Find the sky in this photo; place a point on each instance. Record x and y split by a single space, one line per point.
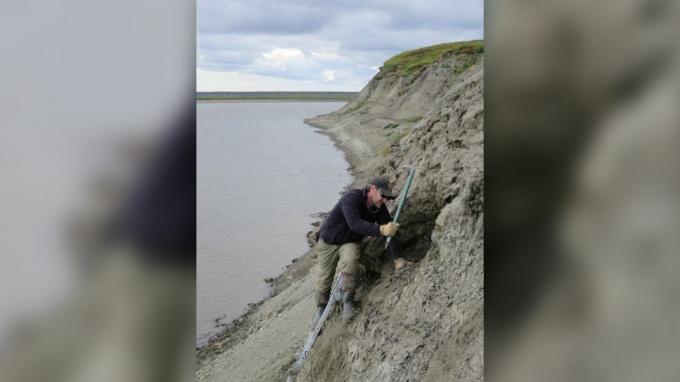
314 45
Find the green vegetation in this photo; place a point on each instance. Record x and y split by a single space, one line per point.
396 137
391 126
413 61
413 119
285 96
463 62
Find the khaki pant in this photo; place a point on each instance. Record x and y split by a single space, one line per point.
328 256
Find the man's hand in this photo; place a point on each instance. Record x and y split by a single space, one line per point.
401 263
389 229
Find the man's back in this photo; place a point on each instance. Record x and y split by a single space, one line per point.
351 219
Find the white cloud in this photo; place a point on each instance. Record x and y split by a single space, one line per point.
326 55
321 66
282 58
329 75
326 43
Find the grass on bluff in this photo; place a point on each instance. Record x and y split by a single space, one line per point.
412 61
413 119
394 139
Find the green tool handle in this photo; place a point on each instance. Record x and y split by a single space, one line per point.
402 200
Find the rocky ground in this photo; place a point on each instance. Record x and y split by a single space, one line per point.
424 323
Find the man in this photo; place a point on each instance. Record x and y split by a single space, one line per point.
358 213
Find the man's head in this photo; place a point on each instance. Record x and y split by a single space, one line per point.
379 191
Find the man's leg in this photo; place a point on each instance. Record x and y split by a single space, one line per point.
327 256
349 264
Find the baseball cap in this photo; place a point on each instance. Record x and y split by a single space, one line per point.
384 186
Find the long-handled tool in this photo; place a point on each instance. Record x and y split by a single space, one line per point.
317 329
402 198
337 286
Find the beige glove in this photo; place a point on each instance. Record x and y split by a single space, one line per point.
389 229
401 263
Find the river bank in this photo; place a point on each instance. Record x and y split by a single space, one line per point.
298 277
255 163
357 147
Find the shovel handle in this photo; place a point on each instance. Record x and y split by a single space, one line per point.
402 200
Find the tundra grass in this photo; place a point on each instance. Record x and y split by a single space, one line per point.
413 61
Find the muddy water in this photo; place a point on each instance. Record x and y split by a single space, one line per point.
261 173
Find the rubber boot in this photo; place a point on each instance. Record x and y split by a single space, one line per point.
347 306
337 296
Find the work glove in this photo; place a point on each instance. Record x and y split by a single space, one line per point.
389 229
401 263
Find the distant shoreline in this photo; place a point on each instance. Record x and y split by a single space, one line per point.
275 96
251 100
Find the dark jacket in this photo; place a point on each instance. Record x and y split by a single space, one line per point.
351 220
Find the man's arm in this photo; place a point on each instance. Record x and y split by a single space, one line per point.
349 205
383 216
393 250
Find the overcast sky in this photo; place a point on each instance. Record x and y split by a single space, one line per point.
306 45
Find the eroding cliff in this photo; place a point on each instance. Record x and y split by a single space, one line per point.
425 323
424 109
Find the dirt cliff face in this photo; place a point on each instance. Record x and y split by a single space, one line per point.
424 323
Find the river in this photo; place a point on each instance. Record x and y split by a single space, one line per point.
261 173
